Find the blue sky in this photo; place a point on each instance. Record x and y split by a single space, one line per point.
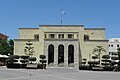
15 14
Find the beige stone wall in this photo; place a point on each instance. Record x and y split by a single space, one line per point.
95 34
90 45
28 33
20 46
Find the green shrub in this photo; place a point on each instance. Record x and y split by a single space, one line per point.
24 61
32 58
42 56
106 64
24 57
85 67
13 65
106 56
108 68
106 60
43 61
13 57
41 66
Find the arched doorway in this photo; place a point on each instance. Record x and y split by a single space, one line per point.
50 54
60 54
70 54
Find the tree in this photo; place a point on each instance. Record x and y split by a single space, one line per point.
114 59
98 50
84 61
32 59
11 45
24 60
118 56
93 63
6 47
29 50
105 60
43 61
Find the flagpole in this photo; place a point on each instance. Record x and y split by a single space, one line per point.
61 17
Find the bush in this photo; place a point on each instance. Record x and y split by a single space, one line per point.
83 63
24 61
106 56
94 57
43 61
41 66
114 58
24 57
108 68
11 61
13 57
42 56
93 62
113 63
32 58
85 67
13 65
106 64
23 65
106 60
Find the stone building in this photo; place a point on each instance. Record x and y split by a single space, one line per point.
63 45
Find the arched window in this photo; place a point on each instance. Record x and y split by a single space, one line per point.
86 37
70 54
60 54
50 54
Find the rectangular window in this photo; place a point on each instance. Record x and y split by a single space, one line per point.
51 35
86 37
36 36
45 36
70 36
61 36
117 45
116 40
111 45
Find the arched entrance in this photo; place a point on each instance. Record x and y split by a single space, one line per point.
50 54
60 54
70 54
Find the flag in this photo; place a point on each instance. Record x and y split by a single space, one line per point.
63 12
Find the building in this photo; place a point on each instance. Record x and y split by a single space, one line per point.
3 37
63 45
114 44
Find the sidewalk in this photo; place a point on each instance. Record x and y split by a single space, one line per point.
56 74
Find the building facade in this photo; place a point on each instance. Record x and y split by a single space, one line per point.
114 44
63 45
3 37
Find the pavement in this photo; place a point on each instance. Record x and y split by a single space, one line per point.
56 74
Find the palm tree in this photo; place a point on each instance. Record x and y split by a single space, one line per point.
99 50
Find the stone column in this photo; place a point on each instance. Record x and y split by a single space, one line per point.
55 55
46 53
65 55
76 56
